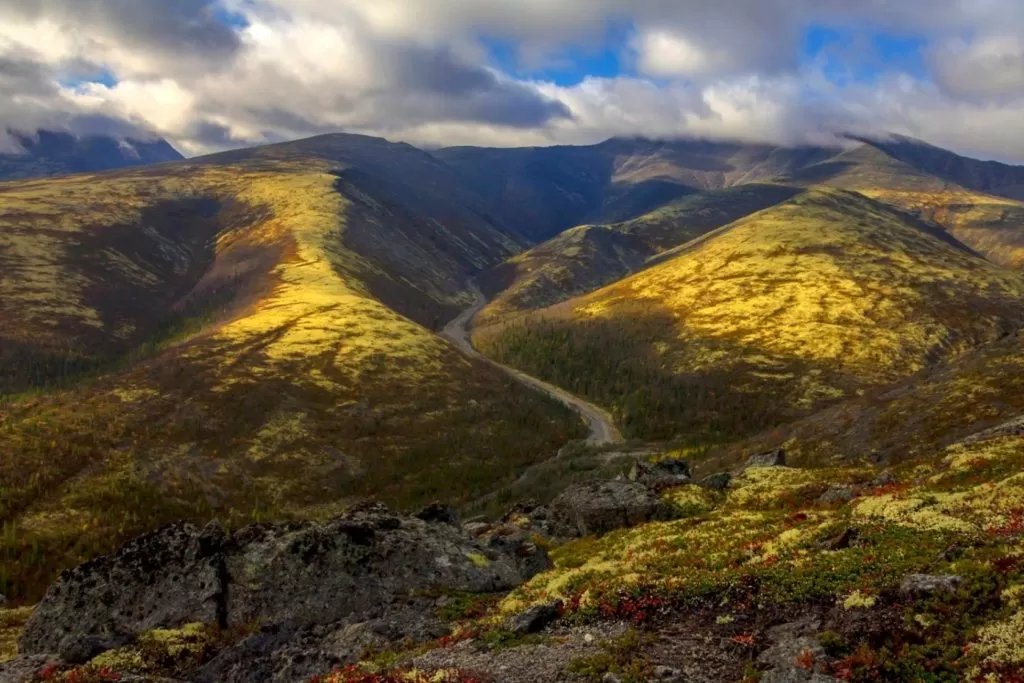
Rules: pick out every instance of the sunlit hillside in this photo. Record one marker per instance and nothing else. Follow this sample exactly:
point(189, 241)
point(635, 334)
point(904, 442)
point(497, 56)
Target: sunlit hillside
point(926, 185)
point(785, 311)
point(223, 338)
point(587, 257)
point(981, 389)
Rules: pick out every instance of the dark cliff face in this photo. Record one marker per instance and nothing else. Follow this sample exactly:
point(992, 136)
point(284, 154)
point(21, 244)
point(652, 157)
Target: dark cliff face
point(48, 153)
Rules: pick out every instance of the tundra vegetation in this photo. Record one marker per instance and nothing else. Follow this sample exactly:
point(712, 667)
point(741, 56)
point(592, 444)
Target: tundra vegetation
point(252, 337)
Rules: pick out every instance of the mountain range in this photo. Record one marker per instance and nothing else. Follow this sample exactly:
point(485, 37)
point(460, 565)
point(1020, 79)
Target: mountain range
point(50, 153)
point(256, 335)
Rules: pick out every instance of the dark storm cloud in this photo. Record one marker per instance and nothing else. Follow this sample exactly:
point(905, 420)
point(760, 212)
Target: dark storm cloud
point(455, 90)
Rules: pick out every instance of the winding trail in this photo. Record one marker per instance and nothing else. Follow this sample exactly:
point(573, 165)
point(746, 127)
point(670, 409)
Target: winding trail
point(602, 427)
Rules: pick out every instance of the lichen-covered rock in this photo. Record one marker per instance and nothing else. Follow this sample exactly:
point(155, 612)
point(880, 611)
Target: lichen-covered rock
point(775, 458)
point(796, 654)
point(168, 578)
point(662, 474)
point(534, 619)
point(24, 667)
point(919, 585)
point(1014, 427)
point(586, 509)
point(837, 495)
point(299, 573)
point(440, 514)
point(718, 481)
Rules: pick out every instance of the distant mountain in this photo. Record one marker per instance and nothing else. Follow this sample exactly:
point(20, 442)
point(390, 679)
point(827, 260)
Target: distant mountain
point(545, 190)
point(990, 177)
point(48, 153)
point(970, 199)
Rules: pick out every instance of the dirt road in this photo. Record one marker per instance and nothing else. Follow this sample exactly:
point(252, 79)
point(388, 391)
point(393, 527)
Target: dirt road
point(602, 428)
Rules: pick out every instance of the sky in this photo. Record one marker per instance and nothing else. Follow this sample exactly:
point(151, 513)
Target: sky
point(210, 75)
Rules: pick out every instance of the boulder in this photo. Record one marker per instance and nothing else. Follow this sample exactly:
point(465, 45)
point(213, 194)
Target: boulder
point(586, 509)
point(25, 667)
point(719, 481)
point(165, 579)
point(837, 495)
point(302, 573)
point(920, 585)
point(662, 474)
point(1014, 427)
point(791, 643)
point(438, 513)
point(534, 619)
point(775, 458)
point(885, 478)
point(841, 541)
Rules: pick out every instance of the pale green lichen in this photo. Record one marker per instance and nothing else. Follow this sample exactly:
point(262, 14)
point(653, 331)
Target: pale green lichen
point(478, 560)
point(858, 600)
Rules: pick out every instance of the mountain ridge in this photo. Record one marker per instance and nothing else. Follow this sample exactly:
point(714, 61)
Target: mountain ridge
point(52, 153)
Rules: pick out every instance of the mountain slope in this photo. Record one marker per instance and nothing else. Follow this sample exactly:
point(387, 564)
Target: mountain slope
point(587, 257)
point(925, 181)
point(48, 153)
point(239, 317)
point(548, 189)
point(782, 312)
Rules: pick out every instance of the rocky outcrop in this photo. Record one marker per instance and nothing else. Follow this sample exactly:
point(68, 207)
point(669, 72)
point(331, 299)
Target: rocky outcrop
point(796, 654)
point(923, 585)
point(301, 574)
point(587, 509)
point(776, 458)
point(535, 618)
point(662, 474)
point(1014, 427)
point(164, 579)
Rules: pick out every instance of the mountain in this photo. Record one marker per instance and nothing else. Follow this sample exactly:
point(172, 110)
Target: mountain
point(545, 190)
point(589, 256)
point(989, 177)
point(774, 316)
point(815, 354)
point(51, 153)
point(970, 199)
point(248, 335)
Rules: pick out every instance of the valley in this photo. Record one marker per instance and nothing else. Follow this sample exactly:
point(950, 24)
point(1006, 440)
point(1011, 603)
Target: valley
point(602, 338)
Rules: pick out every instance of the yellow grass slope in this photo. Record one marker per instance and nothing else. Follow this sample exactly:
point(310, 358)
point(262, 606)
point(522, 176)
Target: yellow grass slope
point(587, 257)
point(991, 225)
point(808, 302)
point(293, 390)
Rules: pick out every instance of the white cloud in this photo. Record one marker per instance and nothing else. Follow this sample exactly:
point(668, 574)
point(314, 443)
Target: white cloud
point(412, 70)
point(990, 66)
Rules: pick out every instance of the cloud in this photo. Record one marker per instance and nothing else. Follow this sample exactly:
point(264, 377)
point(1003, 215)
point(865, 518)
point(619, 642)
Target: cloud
point(417, 70)
point(989, 67)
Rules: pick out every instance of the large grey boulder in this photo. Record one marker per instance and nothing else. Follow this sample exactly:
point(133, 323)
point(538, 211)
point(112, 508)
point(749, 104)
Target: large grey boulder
point(586, 509)
point(168, 578)
point(302, 573)
point(775, 458)
point(662, 474)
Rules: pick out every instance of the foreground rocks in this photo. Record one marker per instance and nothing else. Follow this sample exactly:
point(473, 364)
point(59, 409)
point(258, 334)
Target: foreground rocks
point(594, 509)
point(300, 574)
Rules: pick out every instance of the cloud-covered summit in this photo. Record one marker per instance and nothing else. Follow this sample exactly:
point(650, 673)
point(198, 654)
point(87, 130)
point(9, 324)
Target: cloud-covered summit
point(211, 74)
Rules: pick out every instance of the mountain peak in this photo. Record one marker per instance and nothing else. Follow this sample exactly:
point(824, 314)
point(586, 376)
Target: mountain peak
point(48, 153)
